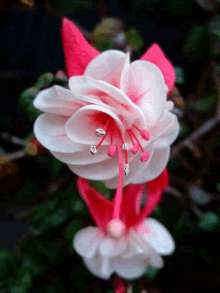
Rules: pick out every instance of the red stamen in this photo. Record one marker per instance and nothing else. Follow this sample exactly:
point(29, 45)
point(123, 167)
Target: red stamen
point(144, 133)
point(135, 147)
point(140, 146)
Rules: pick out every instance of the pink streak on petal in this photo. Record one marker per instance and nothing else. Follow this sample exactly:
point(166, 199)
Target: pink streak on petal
point(155, 55)
point(78, 52)
point(100, 208)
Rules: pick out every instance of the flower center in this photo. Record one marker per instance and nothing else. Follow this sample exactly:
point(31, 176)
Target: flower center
point(114, 132)
point(123, 147)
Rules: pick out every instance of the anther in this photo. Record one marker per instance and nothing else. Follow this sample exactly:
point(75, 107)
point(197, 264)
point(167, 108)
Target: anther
point(135, 149)
point(93, 149)
point(125, 146)
point(126, 169)
point(144, 156)
point(145, 134)
point(100, 132)
point(111, 150)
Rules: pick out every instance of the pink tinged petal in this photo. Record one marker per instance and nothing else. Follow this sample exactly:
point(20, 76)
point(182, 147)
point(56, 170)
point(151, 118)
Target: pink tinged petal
point(156, 165)
point(101, 268)
point(81, 127)
point(82, 158)
point(155, 55)
point(50, 132)
point(100, 208)
point(158, 237)
point(101, 171)
point(130, 268)
point(109, 95)
point(108, 66)
point(86, 241)
point(57, 100)
point(78, 52)
point(145, 86)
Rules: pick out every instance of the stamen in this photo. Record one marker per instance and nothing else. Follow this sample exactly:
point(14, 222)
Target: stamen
point(100, 132)
point(125, 146)
point(111, 150)
point(135, 147)
point(93, 149)
point(144, 133)
point(126, 169)
point(145, 155)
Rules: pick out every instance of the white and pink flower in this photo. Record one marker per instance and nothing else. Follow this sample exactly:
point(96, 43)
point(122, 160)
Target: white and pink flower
point(127, 245)
point(111, 107)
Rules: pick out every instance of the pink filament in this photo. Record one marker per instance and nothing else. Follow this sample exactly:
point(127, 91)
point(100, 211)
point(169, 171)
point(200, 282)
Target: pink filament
point(119, 191)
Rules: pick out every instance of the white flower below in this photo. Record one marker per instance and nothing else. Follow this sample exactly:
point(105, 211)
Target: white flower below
point(128, 255)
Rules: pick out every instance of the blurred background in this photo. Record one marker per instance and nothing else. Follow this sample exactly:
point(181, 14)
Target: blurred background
point(40, 209)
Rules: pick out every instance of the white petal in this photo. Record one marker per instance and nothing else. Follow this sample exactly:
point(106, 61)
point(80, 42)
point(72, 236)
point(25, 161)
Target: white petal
point(104, 170)
point(86, 241)
point(141, 245)
point(50, 131)
point(57, 100)
point(110, 96)
point(130, 268)
point(156, 165)
point(158, 237)
point(145, 86)
point(107, 66)
point(83, 158)
point(112, 247)
point(99, 267)
point(169, 106)
point(81, 126)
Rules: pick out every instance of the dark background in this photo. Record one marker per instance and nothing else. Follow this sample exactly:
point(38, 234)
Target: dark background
point(30, 45)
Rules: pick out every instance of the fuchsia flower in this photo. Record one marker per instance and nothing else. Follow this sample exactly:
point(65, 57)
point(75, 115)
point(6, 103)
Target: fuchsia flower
point(129, 244)
point(114, 118)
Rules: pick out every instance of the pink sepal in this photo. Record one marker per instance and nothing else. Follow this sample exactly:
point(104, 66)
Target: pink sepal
point(100, 208)
point(131, 202)
point(119, 285)
point(78, 52)
point(155, 189)
point(155, 55)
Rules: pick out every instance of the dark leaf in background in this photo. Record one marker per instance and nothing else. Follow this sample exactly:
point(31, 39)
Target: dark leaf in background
point(209, 221)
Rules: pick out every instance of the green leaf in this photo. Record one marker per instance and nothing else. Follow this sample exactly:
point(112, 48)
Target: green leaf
point(214, 25)
point(57, 218)
point(100, 187)
point(151, 273)
point(180, 229)
point(8, 262)
point(56, 168)
point(206, 104)
point(78, 206)
point(26, 102)
point(45, 80)
point(71, 230)
point(23, 281)
point(209, 221)
point(196, 43)
point(36, 265)
point(180, 75)
point(134, 39)
point(184, 129)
